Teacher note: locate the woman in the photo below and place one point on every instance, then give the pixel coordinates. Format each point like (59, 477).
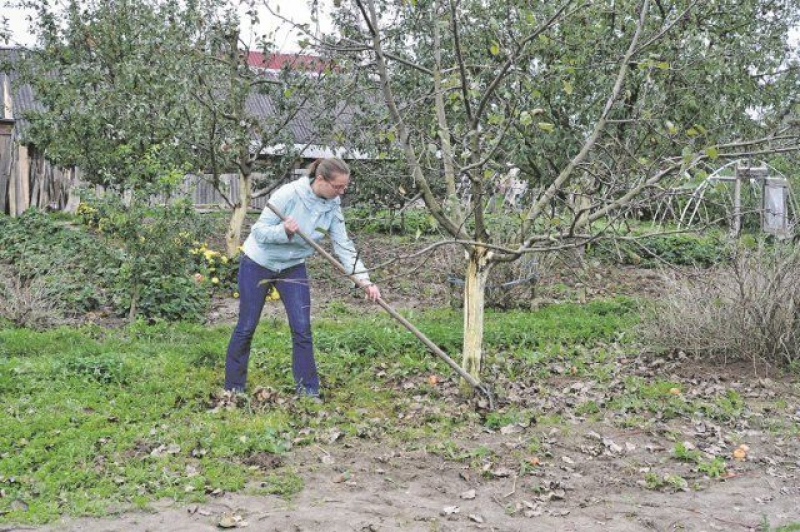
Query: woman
(274, 254)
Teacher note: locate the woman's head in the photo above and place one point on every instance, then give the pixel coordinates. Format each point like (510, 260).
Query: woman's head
(329, 176)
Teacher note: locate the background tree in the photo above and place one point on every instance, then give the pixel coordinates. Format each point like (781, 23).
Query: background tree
(257, 121)
(606, 99)
(110, 81)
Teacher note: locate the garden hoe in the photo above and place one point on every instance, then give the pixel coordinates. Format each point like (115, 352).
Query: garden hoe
(393, 313)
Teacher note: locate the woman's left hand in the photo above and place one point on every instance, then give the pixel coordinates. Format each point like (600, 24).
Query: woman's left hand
(372, 292)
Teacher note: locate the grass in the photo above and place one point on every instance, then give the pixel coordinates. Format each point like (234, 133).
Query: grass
(98, 420)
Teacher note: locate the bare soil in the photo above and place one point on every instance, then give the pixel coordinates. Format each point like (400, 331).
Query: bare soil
(582, 474)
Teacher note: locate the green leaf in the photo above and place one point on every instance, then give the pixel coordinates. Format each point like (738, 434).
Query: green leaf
(495, 48)
(663, 65)
(568, 87)
(546, 126)
(525, 118)
(712, 152)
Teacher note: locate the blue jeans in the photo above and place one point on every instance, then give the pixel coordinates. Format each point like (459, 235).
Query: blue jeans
(292, 285)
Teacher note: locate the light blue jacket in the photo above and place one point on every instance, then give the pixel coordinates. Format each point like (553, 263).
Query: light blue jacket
(269, 246)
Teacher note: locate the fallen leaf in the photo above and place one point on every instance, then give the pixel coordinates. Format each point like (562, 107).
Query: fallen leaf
(611, 446)
(19, 506)
(468, 495)
(514, 428)
(740, 453)
(334, 435)
(344, 477)
(450, 510)
(433, 380)
(477, 518)
(501, 472)
(229, 520)
(675, 391)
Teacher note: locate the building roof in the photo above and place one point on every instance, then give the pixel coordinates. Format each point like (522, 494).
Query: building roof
(278, 61)
(21, 95)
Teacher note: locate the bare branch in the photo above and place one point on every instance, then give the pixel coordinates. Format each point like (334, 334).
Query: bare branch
(411, 156)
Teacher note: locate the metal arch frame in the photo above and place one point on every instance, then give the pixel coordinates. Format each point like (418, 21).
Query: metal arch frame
(699, 192)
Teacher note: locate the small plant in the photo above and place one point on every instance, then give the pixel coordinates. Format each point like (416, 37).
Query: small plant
(685, 454)
(104, 370)
(284, 485)
(715, 468)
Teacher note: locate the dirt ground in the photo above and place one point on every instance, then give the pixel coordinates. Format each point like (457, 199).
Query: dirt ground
(395, 490)
(582, 476)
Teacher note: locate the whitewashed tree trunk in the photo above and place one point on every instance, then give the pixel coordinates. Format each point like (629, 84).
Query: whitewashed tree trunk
(233, 238)
(474, 299)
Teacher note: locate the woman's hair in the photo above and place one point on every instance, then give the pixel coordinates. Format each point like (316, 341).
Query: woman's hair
(327, 167)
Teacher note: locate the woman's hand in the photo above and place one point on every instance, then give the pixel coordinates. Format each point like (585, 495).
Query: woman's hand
(372, 292)
(290, 226)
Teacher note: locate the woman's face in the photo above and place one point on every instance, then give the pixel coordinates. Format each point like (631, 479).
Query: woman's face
(335, 187)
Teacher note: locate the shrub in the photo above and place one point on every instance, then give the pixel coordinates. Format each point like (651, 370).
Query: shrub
(411, 222)
(682, 249)
(167, 296)
(746, 310)
(63, 261)
(27, 302)
(154, 278)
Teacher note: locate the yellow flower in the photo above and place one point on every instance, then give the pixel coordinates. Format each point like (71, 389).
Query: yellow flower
(236, 295)
(215, 280)
(274, 295)
(224, 259)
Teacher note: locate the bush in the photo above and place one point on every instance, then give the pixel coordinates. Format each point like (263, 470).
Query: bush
(62, 261)
(163, 296)
(154, 279)
(62, 267)
(411, 222)
(683, 249)
(27, 302)
(746, 310)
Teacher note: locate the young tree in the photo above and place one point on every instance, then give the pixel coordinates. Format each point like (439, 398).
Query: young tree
(604, 99)
(257, 120)
(109, 79)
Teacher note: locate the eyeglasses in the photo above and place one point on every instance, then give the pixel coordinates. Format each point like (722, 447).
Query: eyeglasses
(338, 188)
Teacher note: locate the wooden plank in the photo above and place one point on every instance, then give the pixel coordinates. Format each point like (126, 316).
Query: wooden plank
(5, 169)
(24, 176)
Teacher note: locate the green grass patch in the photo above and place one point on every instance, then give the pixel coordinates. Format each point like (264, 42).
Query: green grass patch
(100, 420)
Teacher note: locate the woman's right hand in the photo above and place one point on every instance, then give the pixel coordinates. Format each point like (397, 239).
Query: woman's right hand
(290, 226)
